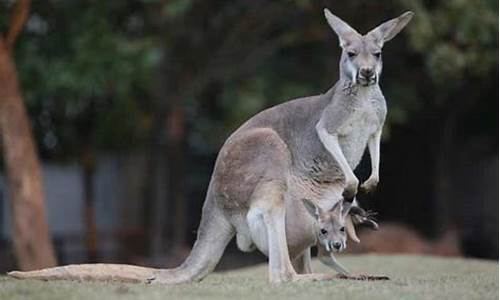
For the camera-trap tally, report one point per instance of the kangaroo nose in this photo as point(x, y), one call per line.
point(366, 72)
point(337, 245)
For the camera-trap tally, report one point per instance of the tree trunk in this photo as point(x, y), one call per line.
point(157, 184)
point(445, 156)
point(176, 152)
point(32, 242)
point(91, 237)
point(443, 185)
point(155, 192)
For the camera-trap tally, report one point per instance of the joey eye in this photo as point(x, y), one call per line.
point(323, 231)
point(342, 229)
point(377, 54)
point(351, 54)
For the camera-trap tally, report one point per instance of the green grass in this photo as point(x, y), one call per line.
point(412, 277)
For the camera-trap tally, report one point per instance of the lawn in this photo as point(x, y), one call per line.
point(412, 277)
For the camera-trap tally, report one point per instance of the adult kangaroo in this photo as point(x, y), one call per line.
point(280, 179)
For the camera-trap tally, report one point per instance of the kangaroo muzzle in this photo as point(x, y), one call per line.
point(367, 76)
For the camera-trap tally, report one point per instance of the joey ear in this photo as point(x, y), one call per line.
point(346, 208)
point(312, 208)
point(387, 30)
point(338, 207)
point(345, 32)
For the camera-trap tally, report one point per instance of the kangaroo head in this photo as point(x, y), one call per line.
point(361, 60)
point(331, 224)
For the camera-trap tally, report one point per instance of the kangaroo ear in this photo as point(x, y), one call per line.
point(345, 32)
point(387, 30)
point(312, 208)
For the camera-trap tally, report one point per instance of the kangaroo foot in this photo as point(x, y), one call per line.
point(362, 277)
point(170, 276)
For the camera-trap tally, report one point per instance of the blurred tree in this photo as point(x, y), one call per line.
point(87, 80)
point(179, 76)
point(457, 44)
point(230, 60)
point(32, 242)
point(208, 45)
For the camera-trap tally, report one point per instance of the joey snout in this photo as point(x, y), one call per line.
point(334, 246)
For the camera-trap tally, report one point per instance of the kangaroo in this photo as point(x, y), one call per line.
point(306, 148)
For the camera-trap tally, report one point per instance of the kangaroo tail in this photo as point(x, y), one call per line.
point(94, 272)
point(214, 233)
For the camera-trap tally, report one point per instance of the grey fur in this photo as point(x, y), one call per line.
point(304, 148)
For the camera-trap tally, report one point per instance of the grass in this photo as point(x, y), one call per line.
point(412, 277)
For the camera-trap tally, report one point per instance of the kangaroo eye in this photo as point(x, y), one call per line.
point(342, 229)
point(377, 54)
point(323, 231)
point(351, 54)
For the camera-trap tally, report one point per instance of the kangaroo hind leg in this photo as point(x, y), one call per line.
point(270, 204)
point(269, 200)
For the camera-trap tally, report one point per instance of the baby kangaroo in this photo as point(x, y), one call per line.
point(330, 235)
point(306, 148)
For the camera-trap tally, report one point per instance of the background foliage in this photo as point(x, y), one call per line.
point(121, 76)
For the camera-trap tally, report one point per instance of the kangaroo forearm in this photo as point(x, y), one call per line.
point(374, 149)
point(330, 260)
point(331, 143)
